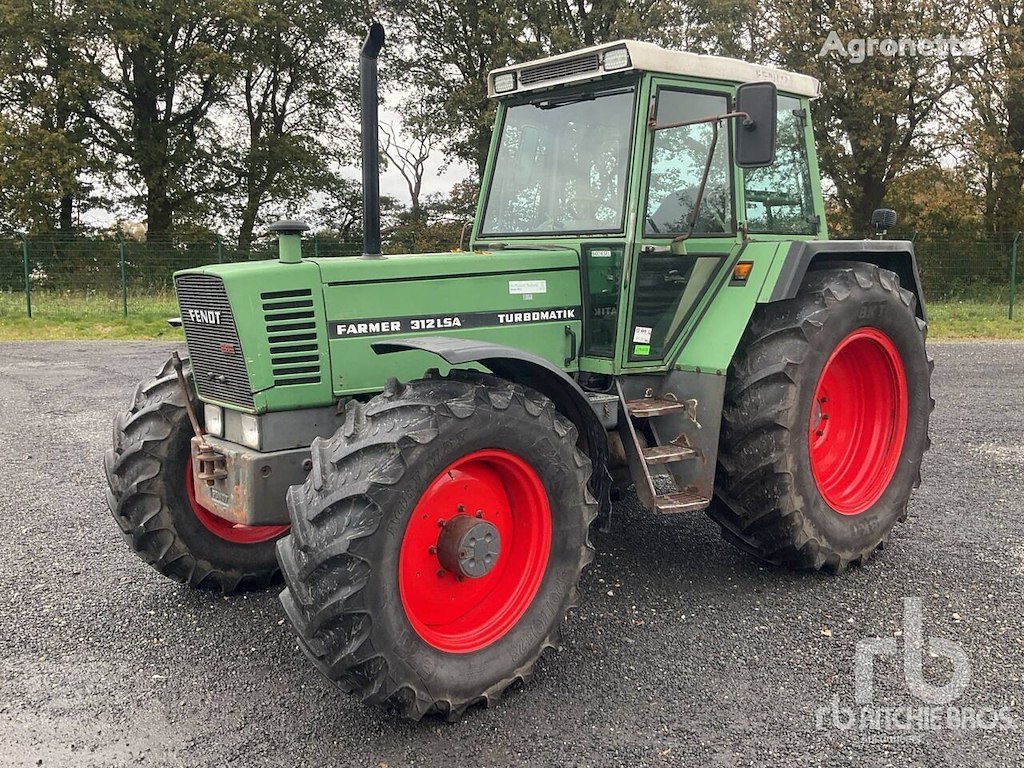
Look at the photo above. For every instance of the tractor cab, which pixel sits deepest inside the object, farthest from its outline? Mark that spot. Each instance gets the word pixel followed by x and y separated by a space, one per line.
pixel 662 169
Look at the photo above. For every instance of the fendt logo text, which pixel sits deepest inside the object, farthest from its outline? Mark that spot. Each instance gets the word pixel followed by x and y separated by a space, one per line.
pixel 204 316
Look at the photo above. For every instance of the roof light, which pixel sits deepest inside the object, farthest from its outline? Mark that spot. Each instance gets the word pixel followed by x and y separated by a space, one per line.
pixel 616 58
pixel 505 82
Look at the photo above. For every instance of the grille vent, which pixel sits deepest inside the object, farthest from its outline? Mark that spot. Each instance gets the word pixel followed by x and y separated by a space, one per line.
pixel 291 332
pixel 556 70
pixel 218 362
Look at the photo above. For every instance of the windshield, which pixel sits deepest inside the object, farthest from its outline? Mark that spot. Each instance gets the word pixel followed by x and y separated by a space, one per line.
pixel 561 166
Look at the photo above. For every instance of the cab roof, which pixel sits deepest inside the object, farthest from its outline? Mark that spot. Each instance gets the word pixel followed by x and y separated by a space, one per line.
pixel 625 55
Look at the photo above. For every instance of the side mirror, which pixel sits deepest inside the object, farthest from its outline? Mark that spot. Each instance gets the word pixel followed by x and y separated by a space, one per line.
pixel 755 134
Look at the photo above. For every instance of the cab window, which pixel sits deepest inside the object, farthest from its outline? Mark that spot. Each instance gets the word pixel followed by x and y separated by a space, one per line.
pixel 678 156
pixel 778 198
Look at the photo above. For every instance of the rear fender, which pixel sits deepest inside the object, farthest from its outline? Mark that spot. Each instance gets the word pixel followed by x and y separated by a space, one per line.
pixel 894 255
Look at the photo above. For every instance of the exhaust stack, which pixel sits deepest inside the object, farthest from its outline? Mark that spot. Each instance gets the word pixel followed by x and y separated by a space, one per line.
pixel 371 162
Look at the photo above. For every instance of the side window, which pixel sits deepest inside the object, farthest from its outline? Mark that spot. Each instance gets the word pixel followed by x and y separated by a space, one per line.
pixel 779 198
pixel 678 156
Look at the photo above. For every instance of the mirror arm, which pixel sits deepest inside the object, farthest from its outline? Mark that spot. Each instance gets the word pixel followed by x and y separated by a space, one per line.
pixel 703 184
pixel 747 121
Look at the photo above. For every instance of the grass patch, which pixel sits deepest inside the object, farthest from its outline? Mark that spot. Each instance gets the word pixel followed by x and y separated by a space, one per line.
pixel 974 320
pixel 80 315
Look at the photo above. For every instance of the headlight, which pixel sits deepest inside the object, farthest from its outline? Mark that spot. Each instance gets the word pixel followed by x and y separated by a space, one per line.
pixel 505 82
pixel 616 58
pixel 250 431
pixel 213 417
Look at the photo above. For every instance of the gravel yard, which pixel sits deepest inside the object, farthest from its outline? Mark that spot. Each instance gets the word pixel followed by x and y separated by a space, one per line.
pixel 684 650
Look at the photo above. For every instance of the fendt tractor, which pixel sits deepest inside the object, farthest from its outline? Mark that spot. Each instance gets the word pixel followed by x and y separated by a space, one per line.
pixel 420 444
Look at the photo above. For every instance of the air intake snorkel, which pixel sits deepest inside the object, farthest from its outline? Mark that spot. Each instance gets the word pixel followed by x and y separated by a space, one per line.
pixel 371 162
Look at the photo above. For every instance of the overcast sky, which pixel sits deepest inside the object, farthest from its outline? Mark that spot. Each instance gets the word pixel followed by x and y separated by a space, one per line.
pixel 391 182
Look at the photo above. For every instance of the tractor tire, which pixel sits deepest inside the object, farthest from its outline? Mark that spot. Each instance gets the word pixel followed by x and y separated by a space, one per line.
pixel 149 476
pixel 379 565
pixel 825 421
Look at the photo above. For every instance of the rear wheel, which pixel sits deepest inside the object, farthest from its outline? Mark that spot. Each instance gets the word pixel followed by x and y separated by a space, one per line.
pixel 438 542
pixel 825 421
pixel 152 498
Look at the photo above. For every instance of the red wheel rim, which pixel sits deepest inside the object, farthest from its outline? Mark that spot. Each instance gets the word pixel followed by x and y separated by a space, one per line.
pixel 858 421
pixel 460 615
pixel 225 529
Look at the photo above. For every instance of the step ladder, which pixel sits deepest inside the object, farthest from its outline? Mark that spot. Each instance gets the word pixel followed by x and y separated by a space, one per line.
pixel 646 411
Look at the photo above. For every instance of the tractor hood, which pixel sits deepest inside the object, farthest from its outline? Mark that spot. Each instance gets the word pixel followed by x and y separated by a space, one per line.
pixel 527 299
pixel 427 265
pixel 268 336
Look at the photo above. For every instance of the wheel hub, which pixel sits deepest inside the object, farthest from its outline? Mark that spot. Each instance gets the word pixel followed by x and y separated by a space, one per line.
pixel 475 551
pixel 468 546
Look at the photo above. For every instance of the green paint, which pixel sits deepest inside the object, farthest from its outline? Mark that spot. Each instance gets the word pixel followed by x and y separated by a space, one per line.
pixel 289 248
pixel 613 275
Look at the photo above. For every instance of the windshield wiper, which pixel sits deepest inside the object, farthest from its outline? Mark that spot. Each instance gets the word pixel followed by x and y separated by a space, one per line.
pixel 576 98
pixel 522 247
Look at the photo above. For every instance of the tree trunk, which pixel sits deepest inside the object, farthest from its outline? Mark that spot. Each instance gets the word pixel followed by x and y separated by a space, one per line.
pixel 870 193
pixel 65 215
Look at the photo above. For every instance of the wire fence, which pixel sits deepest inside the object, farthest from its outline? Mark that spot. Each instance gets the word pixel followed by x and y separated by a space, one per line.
pixel 117 275
pixel 120 276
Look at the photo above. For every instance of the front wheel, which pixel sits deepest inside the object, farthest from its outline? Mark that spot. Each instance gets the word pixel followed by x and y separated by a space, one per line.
pixel 437 543
pixel 825 421
pixel 152 497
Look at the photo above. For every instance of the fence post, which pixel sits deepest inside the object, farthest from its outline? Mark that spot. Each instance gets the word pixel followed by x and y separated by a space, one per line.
pixel 1013 273
pixel 28 272
pixel 124 280
pixel 220 250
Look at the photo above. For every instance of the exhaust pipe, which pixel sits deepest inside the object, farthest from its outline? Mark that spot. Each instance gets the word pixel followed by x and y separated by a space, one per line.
pixel 371 161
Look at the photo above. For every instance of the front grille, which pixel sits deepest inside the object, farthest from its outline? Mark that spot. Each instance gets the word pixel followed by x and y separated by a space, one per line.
pixel 291 331
pixel 555 70
pixel 218 362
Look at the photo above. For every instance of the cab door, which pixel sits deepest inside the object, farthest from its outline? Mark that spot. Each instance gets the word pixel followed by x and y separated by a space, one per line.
pixel 667 289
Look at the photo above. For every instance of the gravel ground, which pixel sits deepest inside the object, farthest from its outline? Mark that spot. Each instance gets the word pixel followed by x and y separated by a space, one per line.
pixel 684 651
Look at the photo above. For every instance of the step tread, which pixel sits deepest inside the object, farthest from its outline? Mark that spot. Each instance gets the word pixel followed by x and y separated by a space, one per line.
pixel 664 454
pixel 646 407
pixel 670 503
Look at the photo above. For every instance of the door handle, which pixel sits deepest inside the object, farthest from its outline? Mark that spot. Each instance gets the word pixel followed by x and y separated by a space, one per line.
pixel 572 344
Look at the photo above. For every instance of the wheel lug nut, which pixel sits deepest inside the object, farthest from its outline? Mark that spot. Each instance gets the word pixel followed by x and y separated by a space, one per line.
pixel 440 572
pixel 460 508
pixel 479 513
pixel 432 550
pixel 440 522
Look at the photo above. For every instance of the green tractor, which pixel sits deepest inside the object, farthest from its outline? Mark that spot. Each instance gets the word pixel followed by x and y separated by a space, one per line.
pixel 421 443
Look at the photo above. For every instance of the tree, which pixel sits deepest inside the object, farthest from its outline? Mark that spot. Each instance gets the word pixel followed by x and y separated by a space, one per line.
pixel 445 51
pixel 993 122
pixel 289 93
pixel 43 140
pixel 874 116
pixel 163 66
pixel 409 150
